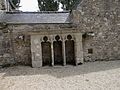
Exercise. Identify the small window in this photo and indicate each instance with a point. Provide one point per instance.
(90, 51)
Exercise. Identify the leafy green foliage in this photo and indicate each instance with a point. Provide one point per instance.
(14, 3)
(53, 5)
(67, 4)
(48, 5)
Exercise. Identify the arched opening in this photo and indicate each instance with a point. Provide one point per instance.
(69, 48)
(58, 58)
(46, 52)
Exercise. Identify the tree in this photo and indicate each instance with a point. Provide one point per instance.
(14, 3)
(53, 5)
(67, 4)
(48, 5)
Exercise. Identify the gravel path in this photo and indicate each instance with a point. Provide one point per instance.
(89, 76)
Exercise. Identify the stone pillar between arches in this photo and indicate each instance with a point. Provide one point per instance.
(63, 52)
(52, 53)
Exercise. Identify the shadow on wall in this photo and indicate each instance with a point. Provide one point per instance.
(60, 71)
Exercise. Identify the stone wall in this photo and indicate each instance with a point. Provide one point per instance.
(99, 21)
(6, 48)
(15, 41)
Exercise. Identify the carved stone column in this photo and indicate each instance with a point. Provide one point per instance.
(52, 49)
(63, 51)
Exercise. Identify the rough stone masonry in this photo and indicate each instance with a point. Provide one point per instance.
(93, 24)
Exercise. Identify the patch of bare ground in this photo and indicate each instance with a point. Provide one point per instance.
(89, 76)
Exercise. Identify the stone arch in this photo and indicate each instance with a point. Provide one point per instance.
(57, 46)
(46, 52)
(69, 50)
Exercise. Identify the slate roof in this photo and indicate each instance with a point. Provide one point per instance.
(34, 17)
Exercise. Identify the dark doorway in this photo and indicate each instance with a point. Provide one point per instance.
(69, 48)
(58, 58)
(46, 52)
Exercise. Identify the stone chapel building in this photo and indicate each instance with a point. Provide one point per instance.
(90, 32)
